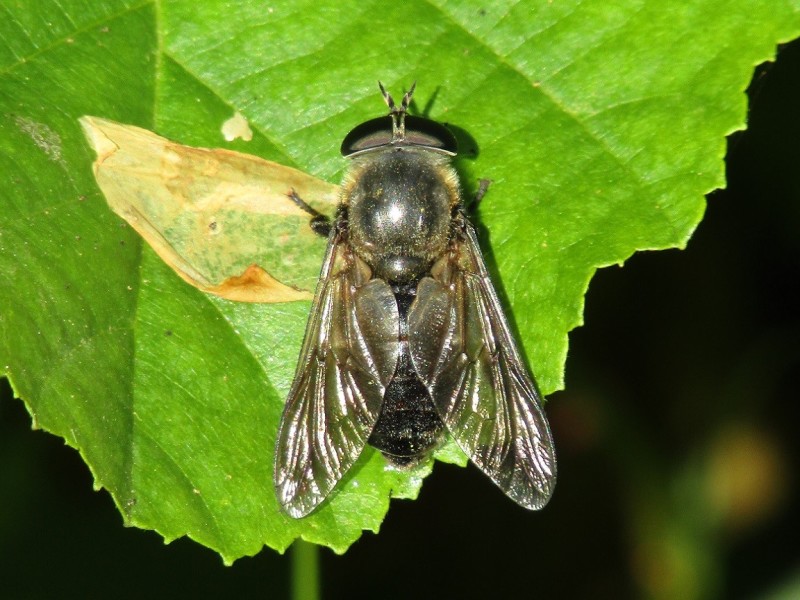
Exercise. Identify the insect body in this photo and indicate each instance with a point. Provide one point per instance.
(406, 337)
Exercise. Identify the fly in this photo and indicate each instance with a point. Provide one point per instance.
(406, 338)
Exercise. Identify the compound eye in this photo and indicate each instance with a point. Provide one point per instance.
(430, 134)
(420, 132)
(371, 134)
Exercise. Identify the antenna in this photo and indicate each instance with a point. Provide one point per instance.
(398, 113)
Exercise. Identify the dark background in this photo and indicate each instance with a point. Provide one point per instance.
(677, 438)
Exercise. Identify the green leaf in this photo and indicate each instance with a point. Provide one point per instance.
(602, 125)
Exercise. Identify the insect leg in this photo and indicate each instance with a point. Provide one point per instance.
(483, 186)
(320, 224)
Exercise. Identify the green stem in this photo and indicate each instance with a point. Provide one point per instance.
(305, 570)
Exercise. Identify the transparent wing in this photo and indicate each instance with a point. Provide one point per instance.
(463, 351)
(348, 357)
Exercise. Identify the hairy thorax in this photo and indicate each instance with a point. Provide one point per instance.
(400, 224)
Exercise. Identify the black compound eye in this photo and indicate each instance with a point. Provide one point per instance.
(424, 132)
(377, 133)
(370, 134)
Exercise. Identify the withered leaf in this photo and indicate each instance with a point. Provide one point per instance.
(222, 220)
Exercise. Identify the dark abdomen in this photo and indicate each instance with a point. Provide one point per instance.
(408, 426)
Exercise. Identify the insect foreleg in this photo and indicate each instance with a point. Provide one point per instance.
(472, 205)
(320, 224)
